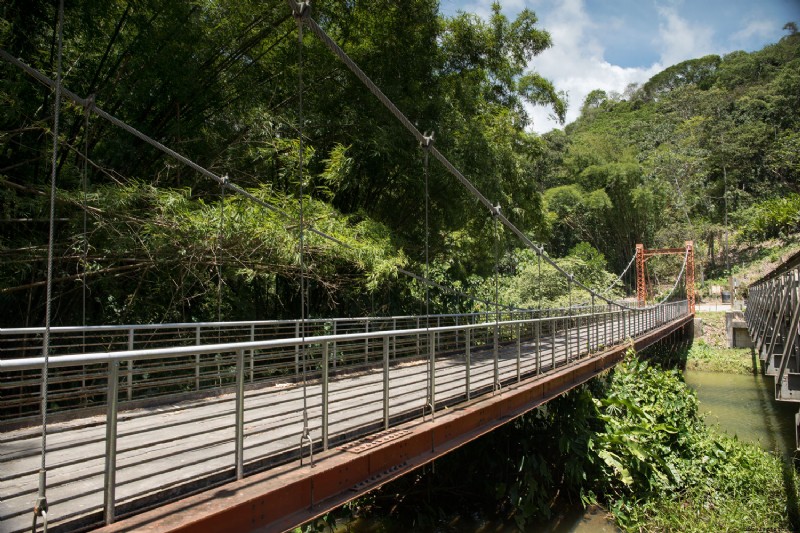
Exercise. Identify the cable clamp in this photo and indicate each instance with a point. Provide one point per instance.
(225, 180)
(427, 140)
(306, 437)
(90, 103)
(40, 509)
(300, 9)
(496, 210)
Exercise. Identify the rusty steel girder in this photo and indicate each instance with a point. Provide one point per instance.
(643, 255)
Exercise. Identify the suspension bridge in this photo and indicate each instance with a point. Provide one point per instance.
(267, 424)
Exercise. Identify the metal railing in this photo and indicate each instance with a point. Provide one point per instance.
(81, 389)
(772, 314)
(355, 383)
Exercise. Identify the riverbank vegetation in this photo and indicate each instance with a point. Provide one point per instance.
(631, 441)
(710, 353)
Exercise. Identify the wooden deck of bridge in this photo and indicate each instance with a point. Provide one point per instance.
(171, 451)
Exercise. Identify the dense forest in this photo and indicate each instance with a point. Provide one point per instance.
(140, 237)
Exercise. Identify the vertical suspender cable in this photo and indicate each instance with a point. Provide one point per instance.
(496, 354)
(85, 251)
(539, 323)
(304, 437)
(220, 233)
(85, 187)
(431, 402)
(569, 317)
(40, 507)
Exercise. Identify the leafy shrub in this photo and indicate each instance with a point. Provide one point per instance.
(666, 471)
(771, 218)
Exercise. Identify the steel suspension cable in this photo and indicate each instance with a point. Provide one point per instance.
(605, 291)
(332, 45)
(90, 104)
(40, 507)
(675, 285)
(375, 90)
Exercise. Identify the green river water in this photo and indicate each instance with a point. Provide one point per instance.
(745, 406)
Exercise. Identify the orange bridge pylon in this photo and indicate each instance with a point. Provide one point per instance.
(642, 255)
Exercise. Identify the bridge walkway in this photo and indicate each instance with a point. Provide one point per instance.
(168, 451)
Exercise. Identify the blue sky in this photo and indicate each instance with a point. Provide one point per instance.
(607, 44)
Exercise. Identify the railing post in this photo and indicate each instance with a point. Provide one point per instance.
(596, 326)
(109, 482)
(626, 326)
(252, 353)
(129, 376)
(366, 342)
(197, 359)
(538, 344)
(468, 351)
(496, 352)
(334, 343)
(418, 337)
(394, 339)
(239, 414)
(325, 388)
(297, 350)
(568, 336)
(432, 374)
(519, 353)
(385, 382)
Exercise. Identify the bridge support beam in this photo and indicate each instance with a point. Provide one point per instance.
(284, 497)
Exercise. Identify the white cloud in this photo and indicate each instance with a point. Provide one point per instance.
(679, 40)
(576, 62)
(763, 29)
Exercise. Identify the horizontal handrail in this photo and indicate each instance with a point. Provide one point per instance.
(319, 320)
(59, 361)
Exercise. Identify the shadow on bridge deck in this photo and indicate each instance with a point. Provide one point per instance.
(289, 495)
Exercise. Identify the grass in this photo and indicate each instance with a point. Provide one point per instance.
(705, 358)
(750, 491)
(710, 352)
